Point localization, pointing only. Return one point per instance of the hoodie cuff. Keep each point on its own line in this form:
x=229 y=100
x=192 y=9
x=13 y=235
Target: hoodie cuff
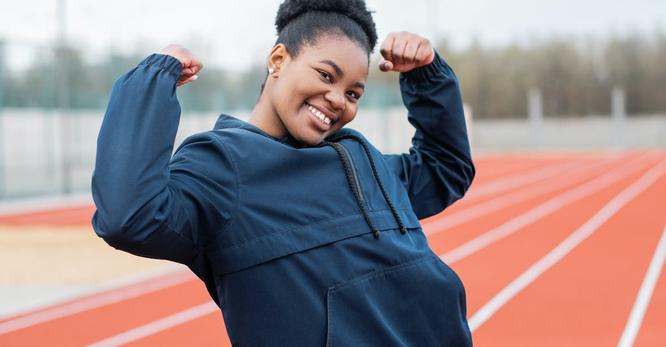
x=164 y=62
x=427 y=72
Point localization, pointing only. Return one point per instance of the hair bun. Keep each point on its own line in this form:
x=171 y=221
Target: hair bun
x=354 y=9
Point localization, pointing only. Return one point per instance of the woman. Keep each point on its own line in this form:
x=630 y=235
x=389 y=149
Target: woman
x=303 y=232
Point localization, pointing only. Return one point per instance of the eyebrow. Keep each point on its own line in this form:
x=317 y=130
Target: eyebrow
x=335 y=67
x=340 y=73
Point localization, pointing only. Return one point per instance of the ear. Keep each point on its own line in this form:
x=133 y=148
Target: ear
x=277 y=58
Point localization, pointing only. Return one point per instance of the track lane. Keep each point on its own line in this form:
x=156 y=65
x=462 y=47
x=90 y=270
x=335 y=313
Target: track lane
x=644 y=297
x=495 y=168
x=484 y=190
x=183 y=330
x=94 y=324
x=205 y=331
x=192 y=330
x=652 y=332
x=461 y=238
x=508 y=257
x=123 y=289
x=80 y=215
x=164 y=332
x=583 y=298
x=454 y=217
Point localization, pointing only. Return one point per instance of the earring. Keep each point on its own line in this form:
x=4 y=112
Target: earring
x=270 y=70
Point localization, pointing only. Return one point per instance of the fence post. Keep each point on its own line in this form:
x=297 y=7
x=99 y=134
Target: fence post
x=535 y=109
x=2 y=138
x=61 y=66
x=618 y=115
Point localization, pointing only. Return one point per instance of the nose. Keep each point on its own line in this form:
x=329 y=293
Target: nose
x=336 y=100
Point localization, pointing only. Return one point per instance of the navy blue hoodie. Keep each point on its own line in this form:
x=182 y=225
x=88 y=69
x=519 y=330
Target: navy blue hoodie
x=298 y=245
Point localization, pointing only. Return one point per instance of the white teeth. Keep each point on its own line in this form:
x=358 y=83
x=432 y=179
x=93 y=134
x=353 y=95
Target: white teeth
x=319 y=115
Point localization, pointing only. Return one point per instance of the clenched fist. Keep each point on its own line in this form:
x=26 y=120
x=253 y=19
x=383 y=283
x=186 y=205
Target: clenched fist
x=404 y=51
x=191 y=65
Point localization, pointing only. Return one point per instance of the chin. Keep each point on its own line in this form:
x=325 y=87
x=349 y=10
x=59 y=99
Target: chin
x=309 y=140
x=308 y=136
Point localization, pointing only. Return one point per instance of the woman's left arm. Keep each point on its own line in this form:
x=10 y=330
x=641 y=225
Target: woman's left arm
x=438 y=169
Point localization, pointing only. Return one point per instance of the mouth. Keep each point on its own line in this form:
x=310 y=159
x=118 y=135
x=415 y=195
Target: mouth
x=323 y=118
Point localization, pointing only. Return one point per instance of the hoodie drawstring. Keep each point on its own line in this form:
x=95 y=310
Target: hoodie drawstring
x=350 y=177
x=368 y=154
x=349 y=174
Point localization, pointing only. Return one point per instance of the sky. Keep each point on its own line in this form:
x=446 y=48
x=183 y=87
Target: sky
x=237 y=34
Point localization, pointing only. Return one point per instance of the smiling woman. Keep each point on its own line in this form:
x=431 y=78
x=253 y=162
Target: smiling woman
x=303 y=232
x=311 y=96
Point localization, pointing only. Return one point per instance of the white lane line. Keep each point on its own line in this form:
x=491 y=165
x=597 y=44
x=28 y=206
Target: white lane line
x=158 y=325
x=541 y=211
x=513 y=181
x=480 y=209
x=121 y=283
x=644 y=294
x=89 y=303
x=566 y=246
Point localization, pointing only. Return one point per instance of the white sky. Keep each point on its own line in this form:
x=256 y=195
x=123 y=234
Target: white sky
x=234 y=34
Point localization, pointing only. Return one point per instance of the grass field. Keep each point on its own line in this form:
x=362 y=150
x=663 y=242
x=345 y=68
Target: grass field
x=554 y=249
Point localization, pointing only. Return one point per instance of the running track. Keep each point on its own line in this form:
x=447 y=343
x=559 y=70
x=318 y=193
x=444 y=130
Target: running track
x=554 y=250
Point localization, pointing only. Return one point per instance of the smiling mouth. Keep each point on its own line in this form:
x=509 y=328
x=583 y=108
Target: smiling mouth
x=322 y=118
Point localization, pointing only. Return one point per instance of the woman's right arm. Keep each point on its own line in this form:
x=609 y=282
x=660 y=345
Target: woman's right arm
x=148 y=203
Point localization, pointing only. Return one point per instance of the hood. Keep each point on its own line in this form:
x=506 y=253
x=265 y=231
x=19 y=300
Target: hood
x=225 y=121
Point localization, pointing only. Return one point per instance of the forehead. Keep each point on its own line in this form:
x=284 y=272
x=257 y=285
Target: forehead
x=347 y=54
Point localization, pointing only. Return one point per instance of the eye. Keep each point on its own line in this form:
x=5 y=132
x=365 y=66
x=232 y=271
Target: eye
x=325 y=75
x=354 y=95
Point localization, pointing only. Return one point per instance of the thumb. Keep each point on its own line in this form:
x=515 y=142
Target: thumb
x=385 y=65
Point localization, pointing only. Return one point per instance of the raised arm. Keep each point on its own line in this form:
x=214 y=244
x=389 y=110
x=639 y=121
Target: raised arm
x=438 y=169
x=148 y=203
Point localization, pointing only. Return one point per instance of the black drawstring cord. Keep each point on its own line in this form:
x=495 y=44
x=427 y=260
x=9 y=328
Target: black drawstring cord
x=398 y=220
x=348 y=174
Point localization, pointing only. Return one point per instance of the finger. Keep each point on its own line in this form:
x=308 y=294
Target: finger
x=187 y=80
x=385 y=65
x=424 y=55
x=386 y=48
x=411 y=49
x=184 y=76
x=197 y=65
x=398 y=51
x=421 y=54
x=191 y=70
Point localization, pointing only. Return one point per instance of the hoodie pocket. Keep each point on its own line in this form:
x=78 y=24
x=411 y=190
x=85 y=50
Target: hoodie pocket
x=417 y=303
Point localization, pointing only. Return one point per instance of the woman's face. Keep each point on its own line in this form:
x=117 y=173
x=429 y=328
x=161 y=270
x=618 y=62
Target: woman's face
x=317 y=92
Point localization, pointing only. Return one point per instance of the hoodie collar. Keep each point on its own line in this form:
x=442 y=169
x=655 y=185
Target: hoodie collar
x=229 y=121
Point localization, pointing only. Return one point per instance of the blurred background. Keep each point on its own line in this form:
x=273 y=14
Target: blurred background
x=547 y=75
x=556 y=92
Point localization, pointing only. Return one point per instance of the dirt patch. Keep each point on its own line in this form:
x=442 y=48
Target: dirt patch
x=63 y=255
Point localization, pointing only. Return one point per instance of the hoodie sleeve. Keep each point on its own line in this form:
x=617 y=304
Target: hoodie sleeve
x=438 y=168
x=148 y=203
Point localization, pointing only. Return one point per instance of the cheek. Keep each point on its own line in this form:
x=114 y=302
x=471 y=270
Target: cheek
x=349 y=115
x=286 y=97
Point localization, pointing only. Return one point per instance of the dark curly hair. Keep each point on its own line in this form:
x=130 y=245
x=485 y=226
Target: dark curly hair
x=300 y=22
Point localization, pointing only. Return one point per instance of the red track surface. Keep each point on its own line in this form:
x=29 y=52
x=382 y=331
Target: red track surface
x=533 y=203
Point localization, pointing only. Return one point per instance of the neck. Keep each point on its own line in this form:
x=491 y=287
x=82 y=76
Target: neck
x=265 y=118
